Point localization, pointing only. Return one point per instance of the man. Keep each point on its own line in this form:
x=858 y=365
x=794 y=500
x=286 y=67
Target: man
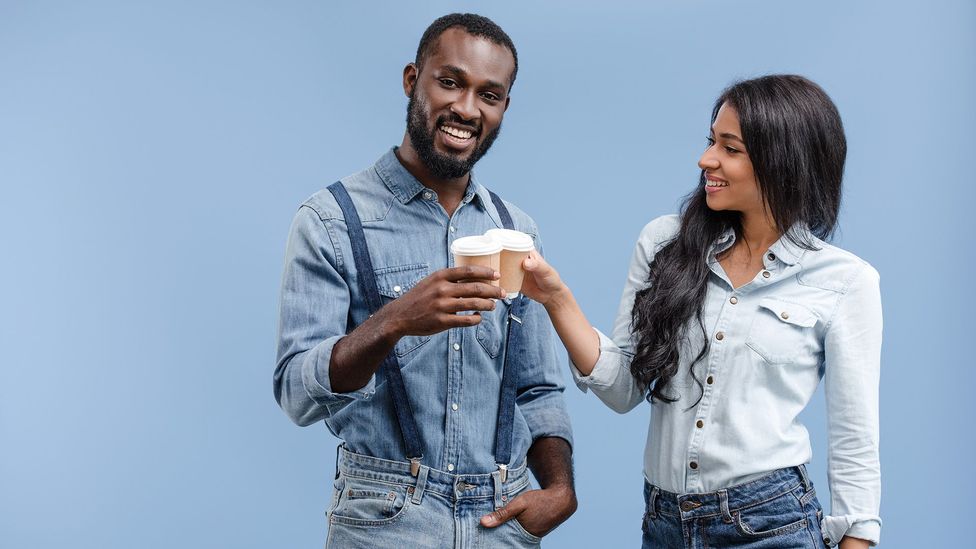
x=441 y=390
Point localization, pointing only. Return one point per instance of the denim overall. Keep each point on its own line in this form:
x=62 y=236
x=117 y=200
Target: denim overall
x=380 y=502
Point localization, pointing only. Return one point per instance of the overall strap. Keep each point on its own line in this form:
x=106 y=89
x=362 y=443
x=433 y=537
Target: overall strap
x=370 y=291
x=514 y=358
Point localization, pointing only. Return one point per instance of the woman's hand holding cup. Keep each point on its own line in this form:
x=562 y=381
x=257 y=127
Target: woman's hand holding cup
x=541 y=282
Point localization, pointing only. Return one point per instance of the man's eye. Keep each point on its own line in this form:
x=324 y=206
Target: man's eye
x=490 y=96
x=447 y=82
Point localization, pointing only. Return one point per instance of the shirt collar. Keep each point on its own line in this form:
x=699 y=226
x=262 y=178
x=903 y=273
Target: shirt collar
x=405 y=186
x=784 y=248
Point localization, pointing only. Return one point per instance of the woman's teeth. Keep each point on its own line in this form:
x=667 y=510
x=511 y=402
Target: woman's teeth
x=710 y=183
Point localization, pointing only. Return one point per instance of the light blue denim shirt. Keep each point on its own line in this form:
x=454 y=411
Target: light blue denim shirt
x=452 y=378
x=808 y=315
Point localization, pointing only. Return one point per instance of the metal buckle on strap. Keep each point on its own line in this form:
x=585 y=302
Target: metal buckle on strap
x=503 y=471
x=415 y=465
x=515 y=318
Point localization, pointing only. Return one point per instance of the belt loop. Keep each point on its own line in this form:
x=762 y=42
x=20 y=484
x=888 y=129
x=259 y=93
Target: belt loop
x=723 y=503
x=500 y=498
x=802 y=470
x=652 y=502
x=418 y=489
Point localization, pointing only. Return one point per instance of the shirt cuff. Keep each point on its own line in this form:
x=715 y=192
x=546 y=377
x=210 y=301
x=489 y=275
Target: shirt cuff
x=607 y=366
x=866 y=527
x=315 y=377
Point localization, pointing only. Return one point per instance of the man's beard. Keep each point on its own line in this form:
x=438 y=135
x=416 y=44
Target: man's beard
x=443 y=166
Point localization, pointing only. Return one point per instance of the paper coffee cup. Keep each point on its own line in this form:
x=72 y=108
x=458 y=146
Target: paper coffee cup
x=516 y=246
x=479 y=250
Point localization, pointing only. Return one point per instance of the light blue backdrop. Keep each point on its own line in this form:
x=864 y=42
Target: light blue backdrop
x=152 y=156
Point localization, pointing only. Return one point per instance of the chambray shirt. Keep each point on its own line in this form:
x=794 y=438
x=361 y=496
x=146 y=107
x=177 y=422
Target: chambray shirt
x=807 y=315
x=452 y=378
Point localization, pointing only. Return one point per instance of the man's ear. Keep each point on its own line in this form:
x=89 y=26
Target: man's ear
x=410 y=74
x=508 y=99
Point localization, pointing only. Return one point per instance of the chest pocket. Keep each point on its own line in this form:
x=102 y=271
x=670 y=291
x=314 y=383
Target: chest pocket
x=392 y=283
x=490 y=329
x=781 y=331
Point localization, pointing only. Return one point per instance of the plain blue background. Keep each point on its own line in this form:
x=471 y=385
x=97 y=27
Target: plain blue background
x=152 y=156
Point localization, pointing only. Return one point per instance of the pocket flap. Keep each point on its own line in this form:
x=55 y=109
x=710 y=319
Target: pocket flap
x=790 y=313
x=395 y=281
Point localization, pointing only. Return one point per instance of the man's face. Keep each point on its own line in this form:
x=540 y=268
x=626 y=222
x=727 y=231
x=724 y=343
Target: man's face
x=457 y=101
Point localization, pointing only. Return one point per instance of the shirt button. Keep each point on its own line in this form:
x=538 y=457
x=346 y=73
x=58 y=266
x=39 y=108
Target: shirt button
x=733 y=300
x=450 y=466
x=453 y=229
x=693 y=465
x=720 y=336
x=709 y=380
x=454 y=406
x=699 y=424
x=785 y=315
x=396 y=289
x=766 y=274
x=457 y=347
x=428 y=195
x=771 y=257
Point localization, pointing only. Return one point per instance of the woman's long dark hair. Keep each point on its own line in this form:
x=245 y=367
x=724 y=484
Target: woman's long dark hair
x=795 y=140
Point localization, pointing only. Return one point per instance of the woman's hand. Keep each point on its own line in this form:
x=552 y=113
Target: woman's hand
x=542 y=282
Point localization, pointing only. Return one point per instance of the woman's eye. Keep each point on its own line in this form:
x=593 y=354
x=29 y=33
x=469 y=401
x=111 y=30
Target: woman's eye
x=730 y=150
x=710 y=141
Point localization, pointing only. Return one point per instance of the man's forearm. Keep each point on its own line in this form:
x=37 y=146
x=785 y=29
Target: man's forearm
x=551 y=461
x=356 y=357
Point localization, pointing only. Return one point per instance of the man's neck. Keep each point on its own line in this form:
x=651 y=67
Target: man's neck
x=450 y=192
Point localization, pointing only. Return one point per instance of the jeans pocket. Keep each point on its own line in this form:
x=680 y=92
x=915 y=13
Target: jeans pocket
x=363 y=502
x=532 y=538
x=777 y=517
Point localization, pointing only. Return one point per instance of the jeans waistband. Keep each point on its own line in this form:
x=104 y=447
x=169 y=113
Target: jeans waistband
x=450 y=485
x=723 y=502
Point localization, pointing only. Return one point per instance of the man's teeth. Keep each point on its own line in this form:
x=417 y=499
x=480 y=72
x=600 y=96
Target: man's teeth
x=710 y=183
x=460 y=134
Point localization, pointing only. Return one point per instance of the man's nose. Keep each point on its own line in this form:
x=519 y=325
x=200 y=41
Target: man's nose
x=466 y=106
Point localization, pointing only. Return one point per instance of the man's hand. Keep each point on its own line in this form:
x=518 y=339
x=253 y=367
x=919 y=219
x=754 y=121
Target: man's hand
x=432 y=305
x=538 y=511
x=428 y=308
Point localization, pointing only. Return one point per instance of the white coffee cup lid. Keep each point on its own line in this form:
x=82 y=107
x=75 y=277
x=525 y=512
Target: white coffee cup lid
x=516 y=241
x=476 y=245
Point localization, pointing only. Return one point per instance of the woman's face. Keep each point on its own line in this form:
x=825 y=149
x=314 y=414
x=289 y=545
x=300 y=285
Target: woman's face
x=730 y=182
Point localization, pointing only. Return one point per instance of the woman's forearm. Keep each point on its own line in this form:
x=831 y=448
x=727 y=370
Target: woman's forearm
x=578 y=336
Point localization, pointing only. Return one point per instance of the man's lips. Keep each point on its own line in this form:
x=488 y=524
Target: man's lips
x=457 y=137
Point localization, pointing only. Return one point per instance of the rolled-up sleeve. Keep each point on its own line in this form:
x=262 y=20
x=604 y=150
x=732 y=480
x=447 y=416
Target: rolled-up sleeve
x=314 y=306
x=852 y=355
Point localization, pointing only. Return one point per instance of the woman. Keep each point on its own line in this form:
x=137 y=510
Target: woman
x=731 y=314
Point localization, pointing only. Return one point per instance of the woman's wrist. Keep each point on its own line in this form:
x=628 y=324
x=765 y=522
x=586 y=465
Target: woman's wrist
x=560 y=300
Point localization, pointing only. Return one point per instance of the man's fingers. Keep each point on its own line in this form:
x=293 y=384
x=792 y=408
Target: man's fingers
x=470 y=272
x=475 y=289
x=471 y=304
x=504 y=514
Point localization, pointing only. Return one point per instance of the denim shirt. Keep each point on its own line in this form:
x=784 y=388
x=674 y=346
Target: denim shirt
x=452 y=378
x=810 y=314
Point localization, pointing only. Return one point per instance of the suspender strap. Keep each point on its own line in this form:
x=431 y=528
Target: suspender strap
x=367 y=286
x=514 y=358
x=502 y=211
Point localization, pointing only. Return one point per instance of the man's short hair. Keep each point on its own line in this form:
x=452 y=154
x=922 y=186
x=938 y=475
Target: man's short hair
x=473 y=24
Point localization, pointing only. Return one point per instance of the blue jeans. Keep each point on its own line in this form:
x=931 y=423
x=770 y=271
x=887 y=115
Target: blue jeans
x=777 y=511
x=377 y=503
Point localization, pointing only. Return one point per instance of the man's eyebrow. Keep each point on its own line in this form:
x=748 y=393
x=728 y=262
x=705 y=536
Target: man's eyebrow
x=462 y=75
